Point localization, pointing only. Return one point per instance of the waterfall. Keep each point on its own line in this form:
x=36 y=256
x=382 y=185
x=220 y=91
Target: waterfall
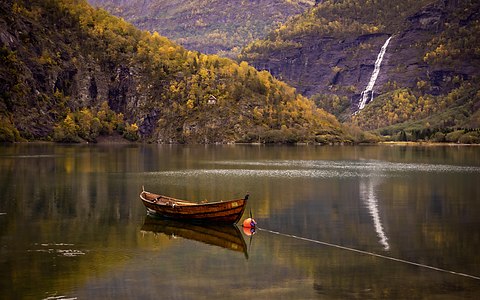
x=368 y=92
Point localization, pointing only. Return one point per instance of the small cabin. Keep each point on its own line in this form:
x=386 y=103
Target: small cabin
x=212 y=100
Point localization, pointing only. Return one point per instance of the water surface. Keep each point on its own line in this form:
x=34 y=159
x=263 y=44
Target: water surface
x=72 y=225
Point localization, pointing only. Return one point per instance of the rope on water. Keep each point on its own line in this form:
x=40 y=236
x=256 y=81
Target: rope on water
x=369 y=253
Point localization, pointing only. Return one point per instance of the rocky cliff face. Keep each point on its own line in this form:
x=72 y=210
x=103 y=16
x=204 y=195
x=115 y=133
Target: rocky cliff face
x=322 y=63
x=208 y=26
x=342 y=63
x=46 y=71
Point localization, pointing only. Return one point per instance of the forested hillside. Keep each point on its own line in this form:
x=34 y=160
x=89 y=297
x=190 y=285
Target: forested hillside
x=428 y=83
x=72 y=73
x=210 y=26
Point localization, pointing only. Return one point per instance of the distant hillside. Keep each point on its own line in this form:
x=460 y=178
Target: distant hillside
x=72 y=73
x=429 y=76
x=208 y=26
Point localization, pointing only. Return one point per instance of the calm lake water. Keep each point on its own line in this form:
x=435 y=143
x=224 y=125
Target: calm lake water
x=72 y=225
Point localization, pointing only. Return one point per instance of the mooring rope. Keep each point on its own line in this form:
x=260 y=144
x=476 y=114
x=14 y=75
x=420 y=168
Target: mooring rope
x=369 y=253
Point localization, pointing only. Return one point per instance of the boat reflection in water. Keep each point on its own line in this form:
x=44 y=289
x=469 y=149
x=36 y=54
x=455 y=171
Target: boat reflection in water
x=225 y=236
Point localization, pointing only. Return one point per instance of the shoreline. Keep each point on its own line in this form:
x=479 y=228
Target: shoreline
x=118 y=140
x=430 y=144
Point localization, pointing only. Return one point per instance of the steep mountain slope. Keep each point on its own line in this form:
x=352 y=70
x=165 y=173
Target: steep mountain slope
x=208 y=26
x=431 y=65
x=70 y=72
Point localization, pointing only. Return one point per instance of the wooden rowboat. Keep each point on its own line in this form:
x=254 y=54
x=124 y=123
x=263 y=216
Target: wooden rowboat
x=226 y=212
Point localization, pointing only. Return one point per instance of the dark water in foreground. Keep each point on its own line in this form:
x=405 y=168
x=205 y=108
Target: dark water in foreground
x=72 y=226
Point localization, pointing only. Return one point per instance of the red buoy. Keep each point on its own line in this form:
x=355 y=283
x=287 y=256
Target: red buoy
x=249 y=223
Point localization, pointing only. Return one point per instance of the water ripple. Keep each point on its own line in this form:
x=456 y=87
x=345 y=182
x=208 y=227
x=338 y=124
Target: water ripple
x=369 y=165
x=55 y=248
x=314 y=169
x=290 y=173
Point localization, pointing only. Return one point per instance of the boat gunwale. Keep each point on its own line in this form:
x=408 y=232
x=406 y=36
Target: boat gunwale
x=184 y=202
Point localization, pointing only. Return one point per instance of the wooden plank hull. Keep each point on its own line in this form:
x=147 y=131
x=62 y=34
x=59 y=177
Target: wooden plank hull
x=227 y=212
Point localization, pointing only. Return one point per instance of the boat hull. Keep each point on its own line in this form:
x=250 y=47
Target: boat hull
x=225 y=212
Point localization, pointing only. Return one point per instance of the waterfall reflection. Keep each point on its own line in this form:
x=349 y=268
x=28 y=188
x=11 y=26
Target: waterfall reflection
x=369 y=198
